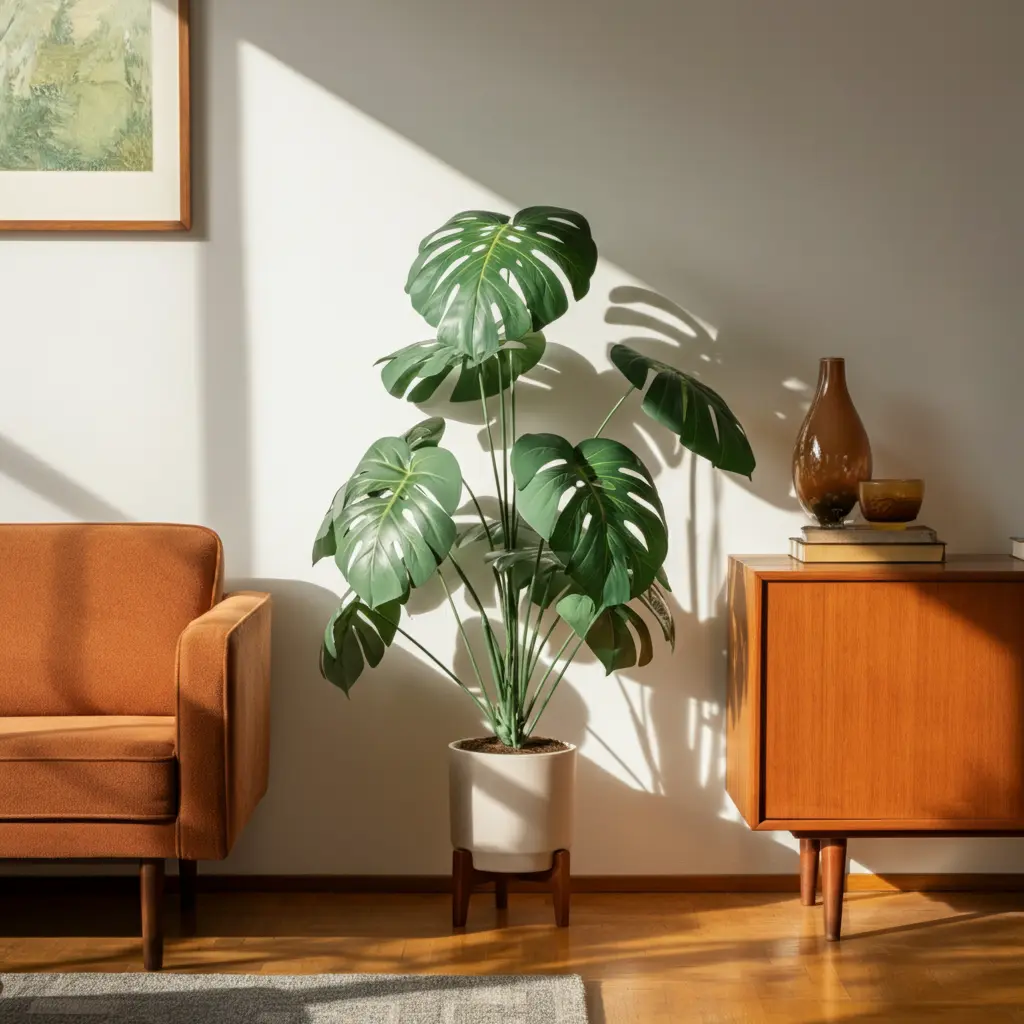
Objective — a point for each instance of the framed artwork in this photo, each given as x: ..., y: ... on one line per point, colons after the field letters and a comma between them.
x: 95, y: 130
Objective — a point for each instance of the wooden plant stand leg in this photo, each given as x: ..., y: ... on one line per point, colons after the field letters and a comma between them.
x: 833, y: 885
x: 151, y: 879
x: 462, y: 886
x: 465, y: 878
x: 810, y: 855
x: 561, y: 887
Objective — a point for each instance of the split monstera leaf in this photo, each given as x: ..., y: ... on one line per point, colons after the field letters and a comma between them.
x: 690, y: 409
x: 480, y: 262
x: 598, y: 509
x: 580, y: 536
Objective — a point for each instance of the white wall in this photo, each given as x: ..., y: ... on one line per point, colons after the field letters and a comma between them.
x: 808, y: 178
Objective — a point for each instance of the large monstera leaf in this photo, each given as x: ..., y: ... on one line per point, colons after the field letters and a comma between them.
x: 484, y: 276
x: 618, y: 636
x: 426, y: 434
x: 597, y: 507
x: 690, y: 409
x: 326, y: 544
x: 357, y: 635
x: 395, y: 526
x: 609, y: 632
x: 417, y: 371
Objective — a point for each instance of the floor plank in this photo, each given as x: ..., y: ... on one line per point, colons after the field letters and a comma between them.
x: 646, y: 958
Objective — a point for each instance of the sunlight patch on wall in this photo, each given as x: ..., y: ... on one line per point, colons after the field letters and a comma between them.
x: 704, y: 726
x: 334, y: 206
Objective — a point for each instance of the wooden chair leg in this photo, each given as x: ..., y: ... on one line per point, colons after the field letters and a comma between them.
x: 462, y: 886
x: 501, y: 893
x: 833, y: 884
x: 810, y: 850
x: 151, y: 879
x: 561, y: 887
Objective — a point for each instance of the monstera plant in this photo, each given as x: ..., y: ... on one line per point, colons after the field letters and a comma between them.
x: 580, y: 535
x: 579, y: 539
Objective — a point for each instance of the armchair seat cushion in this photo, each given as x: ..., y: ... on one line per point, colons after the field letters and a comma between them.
x: 88, y: 768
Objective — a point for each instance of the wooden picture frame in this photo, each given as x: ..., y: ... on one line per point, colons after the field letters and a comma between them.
x: 169, y: 178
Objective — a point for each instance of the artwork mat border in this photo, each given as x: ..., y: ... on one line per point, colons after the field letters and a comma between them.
x: 184, y: 223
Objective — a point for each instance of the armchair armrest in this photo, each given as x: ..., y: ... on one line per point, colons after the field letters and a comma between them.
x: 223, y: 723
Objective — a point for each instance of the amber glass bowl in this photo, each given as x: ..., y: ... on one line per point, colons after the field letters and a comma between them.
x: 891, y: 501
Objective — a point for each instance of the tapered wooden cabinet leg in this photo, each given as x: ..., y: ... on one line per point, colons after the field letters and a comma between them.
x: 833, y: 884
x: 810, y: 850
x: 561, y: 887
x: 151, y: 877
x: 462, y: 886
x: 501, y: 893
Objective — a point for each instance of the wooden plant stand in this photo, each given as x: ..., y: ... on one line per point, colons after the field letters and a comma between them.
x: 465, y: 878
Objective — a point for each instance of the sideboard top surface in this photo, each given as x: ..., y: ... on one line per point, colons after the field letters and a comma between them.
x: 959, y: 567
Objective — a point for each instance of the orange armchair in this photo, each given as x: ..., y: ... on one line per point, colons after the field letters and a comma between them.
x: 134, y: 701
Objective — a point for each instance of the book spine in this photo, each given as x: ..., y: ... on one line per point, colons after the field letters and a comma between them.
x: 861, y: 536
x: 839, y: 553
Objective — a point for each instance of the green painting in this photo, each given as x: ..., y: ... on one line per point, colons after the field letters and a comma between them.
x: 76, y: 89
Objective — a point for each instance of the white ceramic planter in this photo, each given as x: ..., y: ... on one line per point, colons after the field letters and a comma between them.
x: 512, y: 811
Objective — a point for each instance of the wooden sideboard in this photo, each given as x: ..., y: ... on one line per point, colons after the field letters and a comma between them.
x: 875, y: 700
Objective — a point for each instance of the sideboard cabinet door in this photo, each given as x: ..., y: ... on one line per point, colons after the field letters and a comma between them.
x: 894, y: 700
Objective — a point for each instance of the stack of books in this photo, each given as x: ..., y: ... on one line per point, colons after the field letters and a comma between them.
x: 1018, y: 547
x: 862, y: 542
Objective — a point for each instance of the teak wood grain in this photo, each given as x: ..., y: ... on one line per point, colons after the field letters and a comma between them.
x: 645, y: 959
x: 810, y: 860
x: 895, y: 700
x: 875, y: 700
x: 964, y: 568
x: 466, y: 878
x: 743, y: 720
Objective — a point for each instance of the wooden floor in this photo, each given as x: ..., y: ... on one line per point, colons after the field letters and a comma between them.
x: 647, y: 959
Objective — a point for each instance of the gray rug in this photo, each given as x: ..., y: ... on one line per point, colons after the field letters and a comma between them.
x: 289, y: 999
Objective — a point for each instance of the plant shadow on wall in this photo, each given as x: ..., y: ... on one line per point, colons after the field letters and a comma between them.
x: 571, y: 546
x: 676, y: 704
x: 328, y: 789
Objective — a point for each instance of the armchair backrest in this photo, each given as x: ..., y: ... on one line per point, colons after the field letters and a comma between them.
x: 90, y: 614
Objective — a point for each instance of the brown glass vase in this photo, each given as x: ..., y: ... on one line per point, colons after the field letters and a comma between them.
x: 832, y: 453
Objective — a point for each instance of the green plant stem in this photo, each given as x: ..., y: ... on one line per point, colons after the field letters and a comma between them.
x: 490, y: 543
x: 493, y: 647
x: 554, y: 686
x: 615, y: 409
x: 480, y: 514
x: 510, y: 618
x: 547, y: 636
x: 494, y: 462
x: 551, y: 668
x: 448, y: 672
x: 515, y: 510
x: 510, y: 540
x: 524, y: 659
x: 465, y: 638
x: 531, y: 664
